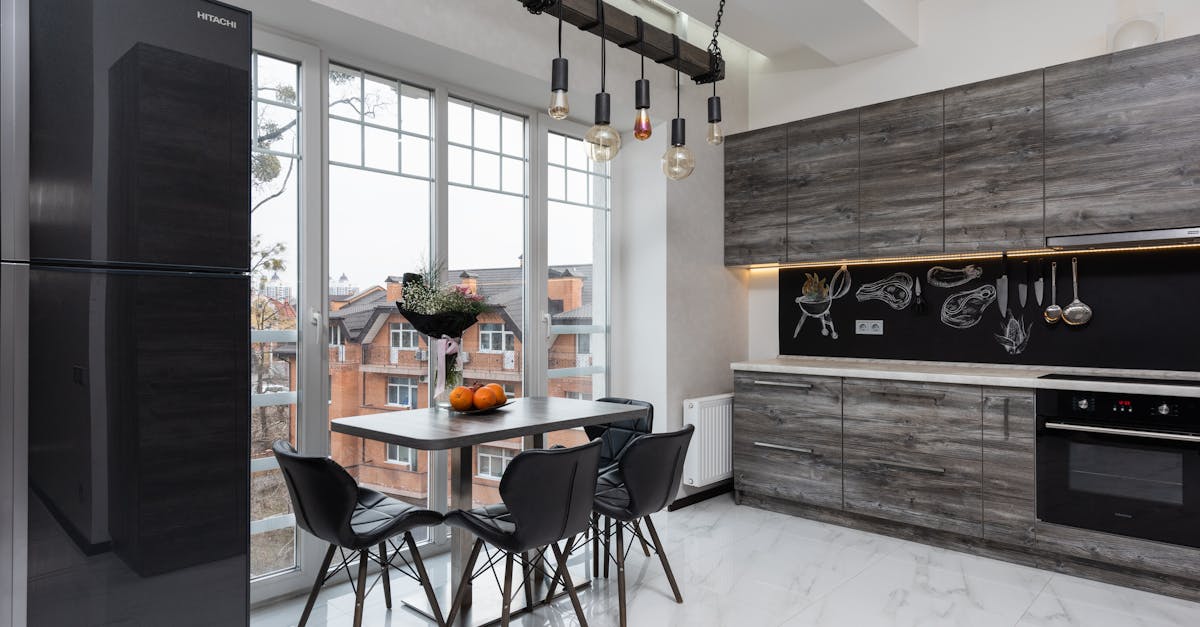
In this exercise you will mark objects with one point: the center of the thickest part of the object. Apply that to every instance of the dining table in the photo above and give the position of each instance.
(438, 429)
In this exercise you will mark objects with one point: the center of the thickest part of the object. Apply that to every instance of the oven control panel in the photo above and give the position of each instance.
(1172, 413)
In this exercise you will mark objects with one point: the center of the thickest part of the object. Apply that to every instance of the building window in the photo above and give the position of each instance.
(402, 392)
(579, 396)
(494, 339)
(397, 454)
(583, 344)
(335, 335)
(403, 336)
(493, 460)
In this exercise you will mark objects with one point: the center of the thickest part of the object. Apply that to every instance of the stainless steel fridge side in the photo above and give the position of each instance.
(14, 311)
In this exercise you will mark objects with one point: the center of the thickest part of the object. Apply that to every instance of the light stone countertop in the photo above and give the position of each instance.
(998, 375)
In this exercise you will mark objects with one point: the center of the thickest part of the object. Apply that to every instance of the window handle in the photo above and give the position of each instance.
(546, 324)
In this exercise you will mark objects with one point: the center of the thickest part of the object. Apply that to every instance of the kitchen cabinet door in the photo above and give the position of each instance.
(918, 418)
(994, 133)
(822, 198)
(1123, 141)
(901, 207)
(756, 197)
(925, 490)
(1009, 471)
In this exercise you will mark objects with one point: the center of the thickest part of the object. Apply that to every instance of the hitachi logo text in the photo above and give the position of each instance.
(216, 19)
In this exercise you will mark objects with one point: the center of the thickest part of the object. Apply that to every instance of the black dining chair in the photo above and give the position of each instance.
(644, 480)
(547, 495)
(332, 507)
(614, 437)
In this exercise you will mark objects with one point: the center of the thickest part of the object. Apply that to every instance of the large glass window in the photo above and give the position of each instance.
(381, 178)
(577, 225)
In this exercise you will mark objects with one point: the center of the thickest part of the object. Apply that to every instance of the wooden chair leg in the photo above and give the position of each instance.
(569, 585)
(425, 581)
(595, 545)
(360, 593)
(662, 557)
(621, 571)
(607, 532)
(387, 580)
(316, 589)
(559, 568)
(506, 612)
(637, 531)
(527, 579)
(462, 585)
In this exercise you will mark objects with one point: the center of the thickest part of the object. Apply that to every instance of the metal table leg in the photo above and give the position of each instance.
(460, 498)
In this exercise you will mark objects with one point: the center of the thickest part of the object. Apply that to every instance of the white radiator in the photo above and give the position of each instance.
(710, 457)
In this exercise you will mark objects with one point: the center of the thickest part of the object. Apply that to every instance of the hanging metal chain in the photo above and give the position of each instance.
(713, 47)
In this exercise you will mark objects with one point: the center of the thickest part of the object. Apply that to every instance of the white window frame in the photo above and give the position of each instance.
(397, 383)
(506, 338)
(484, 451)
(401, 455)
(407, 334)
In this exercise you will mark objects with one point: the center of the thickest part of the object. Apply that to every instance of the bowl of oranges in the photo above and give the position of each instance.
(478, 399)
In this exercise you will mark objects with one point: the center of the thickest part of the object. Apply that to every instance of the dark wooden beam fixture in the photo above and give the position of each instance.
(622, 29)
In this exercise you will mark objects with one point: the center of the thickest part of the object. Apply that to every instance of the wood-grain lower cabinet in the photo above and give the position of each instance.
(918, 418)
(1009, 469)
(787, 437)
(1123, 141)
(926, 490)
(994, 138)
(900, 173)
(756, 197)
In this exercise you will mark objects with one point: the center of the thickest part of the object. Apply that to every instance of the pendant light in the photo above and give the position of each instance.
(678, 162)
(602, 140)
(559, 109)
(642, 128)
(715, 136)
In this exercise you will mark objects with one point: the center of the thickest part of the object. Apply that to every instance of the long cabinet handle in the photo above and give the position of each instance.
(1154, 435)
(794, 449)
(932, 396)
(781, 384)
(885, 462)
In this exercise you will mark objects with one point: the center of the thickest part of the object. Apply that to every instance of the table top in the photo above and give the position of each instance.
(433, 429)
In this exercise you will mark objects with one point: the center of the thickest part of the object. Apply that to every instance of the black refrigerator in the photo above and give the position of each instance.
(138, 325)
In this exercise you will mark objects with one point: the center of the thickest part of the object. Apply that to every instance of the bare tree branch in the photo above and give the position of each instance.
(283, 187)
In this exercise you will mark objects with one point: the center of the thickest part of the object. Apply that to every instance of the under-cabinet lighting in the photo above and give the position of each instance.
(1032, 252)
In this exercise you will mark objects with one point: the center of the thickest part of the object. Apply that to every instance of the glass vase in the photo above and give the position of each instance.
(451, 369)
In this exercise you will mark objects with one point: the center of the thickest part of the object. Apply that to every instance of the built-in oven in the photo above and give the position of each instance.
(1120, 463)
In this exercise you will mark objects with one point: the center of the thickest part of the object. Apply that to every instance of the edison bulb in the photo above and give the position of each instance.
(715, 136)
(641, 125)
(559, 109)
(603, 142)
(678, 163)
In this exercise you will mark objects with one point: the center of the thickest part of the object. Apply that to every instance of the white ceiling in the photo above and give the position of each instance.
(793, 31)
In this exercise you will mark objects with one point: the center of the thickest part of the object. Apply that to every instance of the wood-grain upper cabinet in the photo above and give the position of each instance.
(1009, 489)
(756, 197)
(822, 201)
(900, 173)
(1123, 141)
(994, 133)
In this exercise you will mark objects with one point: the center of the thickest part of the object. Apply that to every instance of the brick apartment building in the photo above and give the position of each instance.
(379, 363)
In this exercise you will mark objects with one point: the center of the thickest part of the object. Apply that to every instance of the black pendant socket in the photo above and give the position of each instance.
(603, 108)
(678, 132)
(714, 109)
(558, 74)
(641, 93)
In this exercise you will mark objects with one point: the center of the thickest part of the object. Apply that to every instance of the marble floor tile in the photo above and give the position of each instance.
(742, 566)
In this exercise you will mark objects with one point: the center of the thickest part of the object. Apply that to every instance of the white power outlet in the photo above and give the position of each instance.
(868, 327)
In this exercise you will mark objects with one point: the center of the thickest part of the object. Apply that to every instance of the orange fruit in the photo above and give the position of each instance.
(462, 398)
(485, 398)
(499, 390)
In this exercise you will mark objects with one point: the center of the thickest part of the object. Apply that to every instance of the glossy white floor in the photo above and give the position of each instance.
(742, 566)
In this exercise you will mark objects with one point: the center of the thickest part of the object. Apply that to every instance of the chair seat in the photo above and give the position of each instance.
(378, 517)
(612, 497)
(493, 524)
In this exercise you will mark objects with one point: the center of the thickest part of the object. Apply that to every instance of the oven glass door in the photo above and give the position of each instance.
(1134, 486)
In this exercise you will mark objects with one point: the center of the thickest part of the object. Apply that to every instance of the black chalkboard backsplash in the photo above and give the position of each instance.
(1146, 311)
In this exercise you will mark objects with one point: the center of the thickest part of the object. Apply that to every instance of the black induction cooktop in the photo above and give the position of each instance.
(1083, 377)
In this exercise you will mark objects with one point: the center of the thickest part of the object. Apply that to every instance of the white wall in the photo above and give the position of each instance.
(961, 41)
